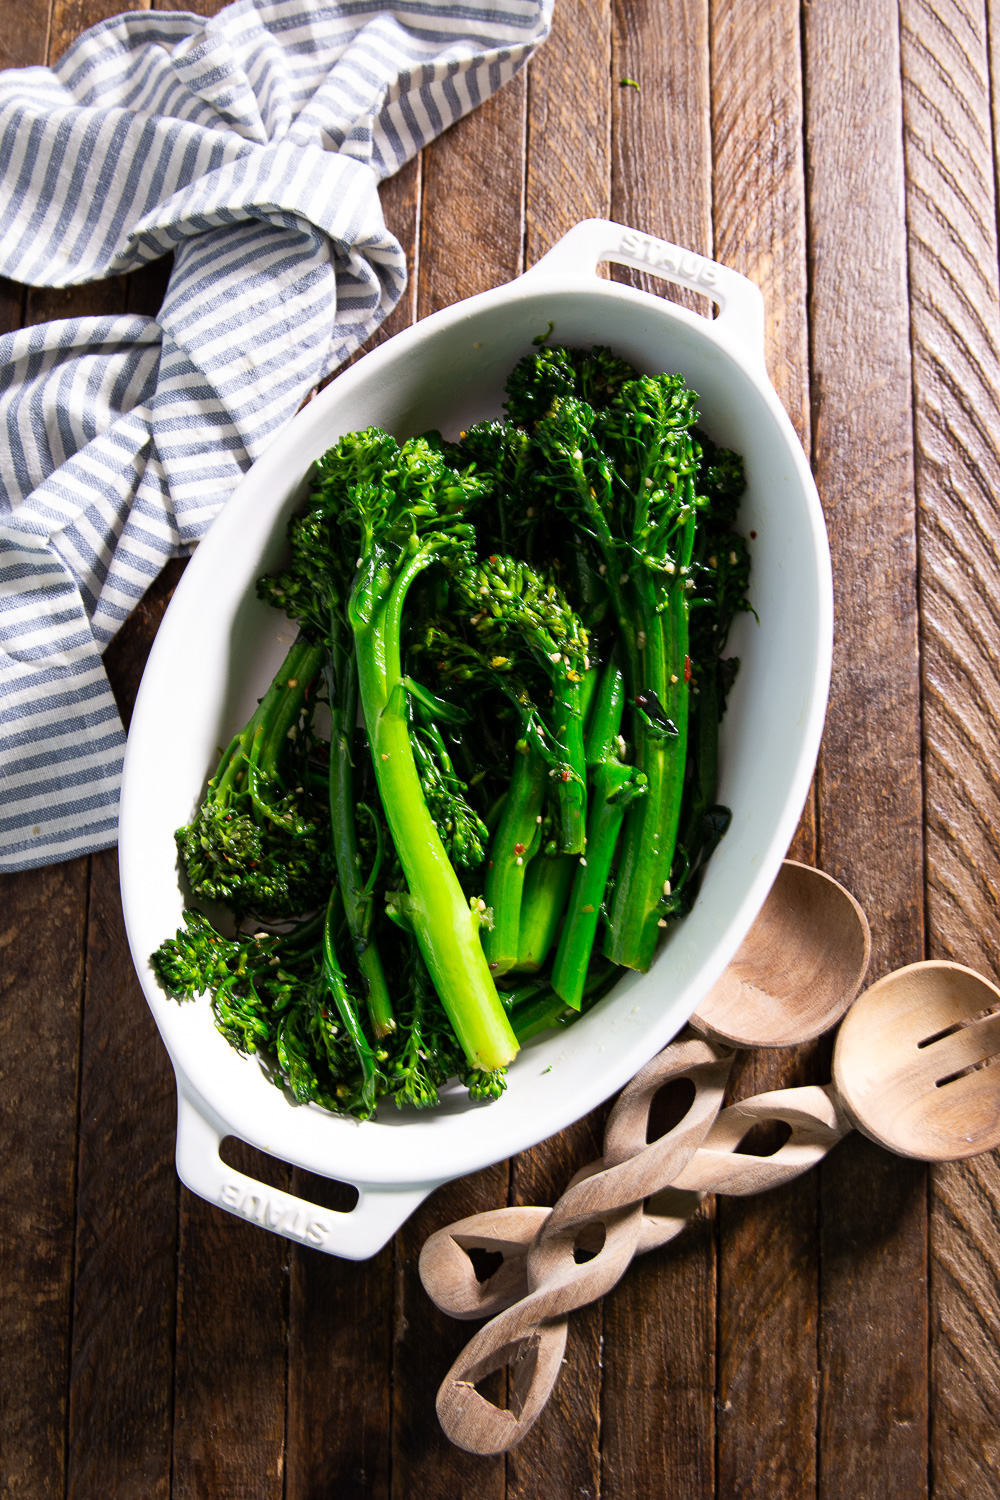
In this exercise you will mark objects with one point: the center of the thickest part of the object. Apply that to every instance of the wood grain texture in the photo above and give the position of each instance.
(659, 1324)
(768, 1301)
(426, 1342)
(69, 17)
(24, 34)
(951, 204)
(42, 925)
(120, 1410)
(965, 1330)
(658, 1391)
(565, 1442)
(472, 207)
(873, 1330)
(759, 205)
(340, 1363)
(231, 1361)
(768, 1375)
(568, 175)
(661, 133)
(863, 458)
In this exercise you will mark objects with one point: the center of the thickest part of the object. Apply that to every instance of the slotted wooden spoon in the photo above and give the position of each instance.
(917, 1062)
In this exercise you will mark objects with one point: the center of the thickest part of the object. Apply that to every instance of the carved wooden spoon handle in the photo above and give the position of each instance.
(539, 1281)
(525, 1336)
(446, 1270)
(817, 1124)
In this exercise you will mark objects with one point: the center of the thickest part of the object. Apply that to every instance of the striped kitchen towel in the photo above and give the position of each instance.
(250, 146)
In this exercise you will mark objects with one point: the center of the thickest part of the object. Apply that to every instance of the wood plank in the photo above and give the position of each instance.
(965, 1330)
(44, 923)
(768, 1390)
(124, 1275)
(568, 175)
(768, 1302)
(568, 178)
(658, 1406)
(425, 1345)
(873, 1319)
(340, 1359)
(232, 1315)
(42, 919)
(564, 1444)
(126, 1240)
(658, 1394)
(120, 1411)
(955, 301)
(24, 31)
(759, 179)
(70, 17)
(341, 1312)
(469, 241)
(759, 205)
(661, 140)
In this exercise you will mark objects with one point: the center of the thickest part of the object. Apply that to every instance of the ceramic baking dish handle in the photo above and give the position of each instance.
(741, 306)
(355, 1235)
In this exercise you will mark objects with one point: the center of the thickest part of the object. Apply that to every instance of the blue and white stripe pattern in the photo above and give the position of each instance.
(250, 146)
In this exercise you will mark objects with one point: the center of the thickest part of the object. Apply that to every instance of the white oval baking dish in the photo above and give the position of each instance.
(218, 648)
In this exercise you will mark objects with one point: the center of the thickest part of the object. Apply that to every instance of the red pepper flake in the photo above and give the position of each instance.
(565, 776)
(687, 669)
(518, 848)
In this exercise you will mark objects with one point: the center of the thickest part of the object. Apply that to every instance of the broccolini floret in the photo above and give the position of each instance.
(259, 841)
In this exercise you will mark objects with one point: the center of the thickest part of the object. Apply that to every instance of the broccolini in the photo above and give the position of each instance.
(519, 639)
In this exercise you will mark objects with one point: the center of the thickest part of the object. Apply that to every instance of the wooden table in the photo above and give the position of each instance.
(835, 1339)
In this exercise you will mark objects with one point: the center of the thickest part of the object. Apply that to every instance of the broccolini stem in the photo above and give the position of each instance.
(342, 686)
(550, 877)
(445, 929)
(614, 786)
(539, 1014)
(300, 666)
(510, 851)
(661, 748)
(546, 888)
(336, 984)
(280, 710)
(571, 786)
(535, 1007)
(704, 731)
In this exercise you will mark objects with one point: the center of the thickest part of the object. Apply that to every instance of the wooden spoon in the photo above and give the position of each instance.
(911, 1070)
(795, 974)
(797, 970)
(912, 1064)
